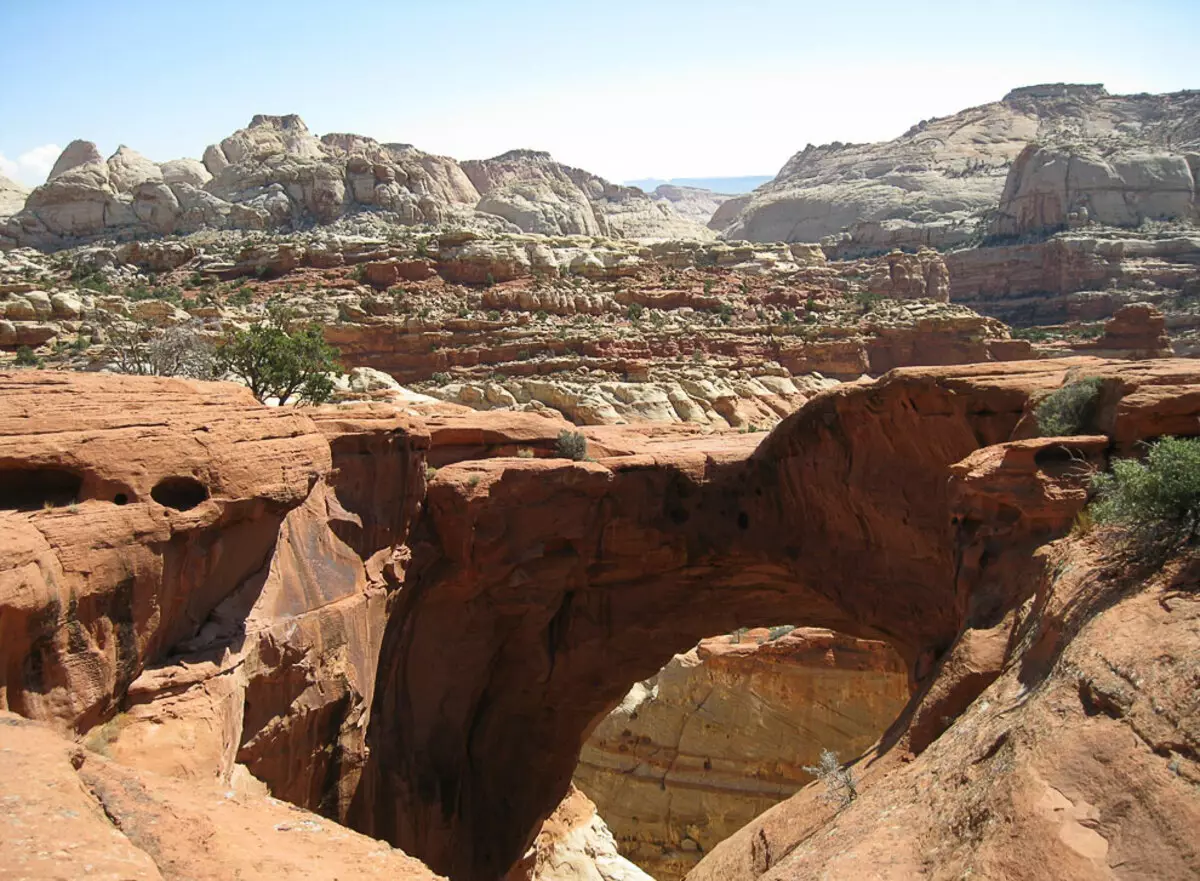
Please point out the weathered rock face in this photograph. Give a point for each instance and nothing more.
(1083, 749)
(181, 581)
(12, 197)
(1137, 331)
(129, 516)
(1033, 283)
(275, 174)
(575, 845)
(695, 203)
(724, 732)
(535, 590)
(70, 812)
(536, 194)
(1052, 187)
(932, 185)
(842, 518)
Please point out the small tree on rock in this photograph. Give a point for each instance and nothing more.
(276, 362)
(840, 786)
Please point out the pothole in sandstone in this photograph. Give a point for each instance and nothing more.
(31, 488)
(724, 731)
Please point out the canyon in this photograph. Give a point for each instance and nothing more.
(402, 653)
(626, 508)
(729, 729)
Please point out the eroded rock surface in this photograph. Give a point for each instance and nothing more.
(71, 813)
(574, 844)
(725, 731)
(12, 197)
(519, 598)
(276, 174)
(934, 184)
(552, 608)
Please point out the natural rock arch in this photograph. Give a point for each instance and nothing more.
(540, 590)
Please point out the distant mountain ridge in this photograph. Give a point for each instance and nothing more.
(725, 186)
(1116, 159)
(277, 175)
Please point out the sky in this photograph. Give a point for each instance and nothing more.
(624, 89)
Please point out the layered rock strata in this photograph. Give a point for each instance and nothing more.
(726, 730)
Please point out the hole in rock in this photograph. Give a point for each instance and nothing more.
(28, 489)
(120, 499)
(726, 730)
(180, 493)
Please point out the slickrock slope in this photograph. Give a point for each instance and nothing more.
(181, 582)
(724, 732)
(275, 174)
(1079, 761)
(1111, 183)
(71, 813)
(12, 197)
(575, 845)
(935, 183)
(283, 590)
(536, 194)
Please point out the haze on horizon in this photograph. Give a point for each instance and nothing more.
(624, 89)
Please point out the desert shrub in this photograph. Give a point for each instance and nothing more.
(777, 632)
(276, 362)
(440, 377)
(1155, 502)
(525, 453)
(27, 358)
(634, 311)
(867, 301)
(182, 351)
(572, 445)
(243, 296)
(1070, 409)
(138, 348)
(840, 785)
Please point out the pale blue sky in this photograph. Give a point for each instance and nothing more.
(624, 89)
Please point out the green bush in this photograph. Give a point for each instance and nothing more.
(279, 363)
(634, 311)
(1156, 501)
(243, 296)
(27, 358)
(778, 632)
(1069, 410)
(572, 445)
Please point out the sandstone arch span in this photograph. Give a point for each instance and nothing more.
(484, 636)
(541, 589)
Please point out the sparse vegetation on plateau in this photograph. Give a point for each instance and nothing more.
(27, 358)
